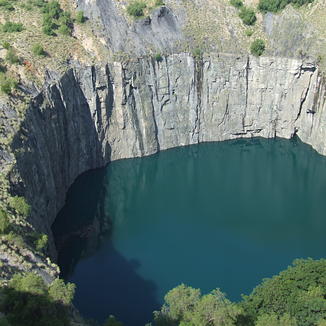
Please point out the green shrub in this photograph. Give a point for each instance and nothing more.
(112, 321)
(59, 291)
(236, 3)
(7, 5)
(159, 3)
(158, 57)
(6, 45)
(10, 27)
(7, 84)
(41, 242)
(27, 301)
(247, 15)
(64, 30)
(20, 205)
(52, 9)
(48, 25)
(11, 56)
(136, 8)
(80, 18)
(38, 49)
(4, 221)
(257, 47)
(197, 53)
(277, 5)
(249, 32)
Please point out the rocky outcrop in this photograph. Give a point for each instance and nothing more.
(96, 114)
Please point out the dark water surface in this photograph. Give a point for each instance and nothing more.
(211, 215)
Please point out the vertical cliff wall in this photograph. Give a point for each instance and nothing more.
(96, 114)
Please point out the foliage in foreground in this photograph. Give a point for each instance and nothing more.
(28, 301)
(299, 291)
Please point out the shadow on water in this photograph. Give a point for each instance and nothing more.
(82, 228)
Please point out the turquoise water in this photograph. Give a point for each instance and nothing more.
(212, 215)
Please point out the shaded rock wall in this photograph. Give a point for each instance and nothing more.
(96, 114)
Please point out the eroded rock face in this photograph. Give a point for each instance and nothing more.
(96, 114)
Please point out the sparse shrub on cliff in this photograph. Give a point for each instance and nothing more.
(158, 57)
(249, 32)
(52, 9)
(80, 18)
(236, 3)
(159, 3)
(247, 15)
(136, 8)
(20, 205)
(7, 84)
(38, 49)
(11, 56)
(197, 53)
(41, 242)
(6, 45)
(10, 27)
(257, 47)
(277, 5)
(4, 222)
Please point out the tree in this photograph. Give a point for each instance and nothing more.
(299, 291)
(274, 320)
(59, 291)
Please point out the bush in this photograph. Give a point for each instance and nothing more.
(197, 53)
(20, 205)
(247, 15)
(4, 222)
(249, 32)
(61, 292)
(52, 9)
(11, 56)
(41, 242)
(257, 47)
(236, 3)
(10, 27)
(277, 5)
(158, 57)
(136, 8)
(7, 84)
(6, 5)
(6, 45)
(80, 18)
(38, 49)
(159, 3)
(64, 30)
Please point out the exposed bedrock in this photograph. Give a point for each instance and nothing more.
(96, 114)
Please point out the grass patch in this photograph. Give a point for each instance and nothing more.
(136, 8)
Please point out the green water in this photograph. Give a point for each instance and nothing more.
(211, 215)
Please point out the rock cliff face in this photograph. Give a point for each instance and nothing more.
(96, 114)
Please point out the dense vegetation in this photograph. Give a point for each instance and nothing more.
(276, 5)
(28, 301)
